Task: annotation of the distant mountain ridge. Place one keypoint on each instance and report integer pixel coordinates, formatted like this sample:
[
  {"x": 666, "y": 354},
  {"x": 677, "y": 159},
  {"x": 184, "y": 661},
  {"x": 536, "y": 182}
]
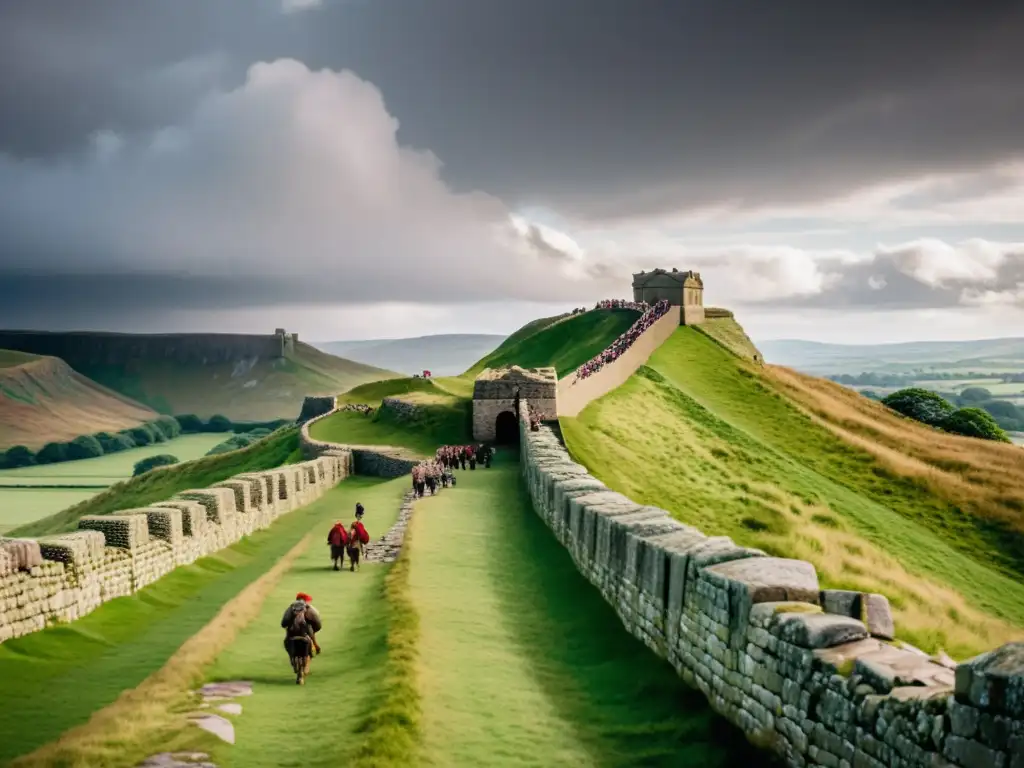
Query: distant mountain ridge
[
  {"x": 442, "y": 354},
  {"x": 827, "y": 358}
]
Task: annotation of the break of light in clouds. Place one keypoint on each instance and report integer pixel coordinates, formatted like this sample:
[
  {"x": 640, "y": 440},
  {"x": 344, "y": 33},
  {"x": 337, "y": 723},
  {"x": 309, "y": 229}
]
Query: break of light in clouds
[{"x": 366, "y": 169}]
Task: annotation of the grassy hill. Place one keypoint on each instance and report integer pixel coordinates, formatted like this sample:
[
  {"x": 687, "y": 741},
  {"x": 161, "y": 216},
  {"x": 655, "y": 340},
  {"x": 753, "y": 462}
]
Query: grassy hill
[
  {"x": 43, "y": 400},
  {"x": 807, "y": 469},
  {"x": 563, "y": 343},
  {"x": 442, "y": 354},
  {"x": 162, "y": 483},
  {"x": 241, "y": 377}
]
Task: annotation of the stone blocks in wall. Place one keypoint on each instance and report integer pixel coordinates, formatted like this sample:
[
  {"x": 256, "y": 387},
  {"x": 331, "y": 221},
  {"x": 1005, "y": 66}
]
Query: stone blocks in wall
[
  {"x": 380, "y": 464},
  {"x": 62, "y": 578},
  {"x": 805, "y": 673}
]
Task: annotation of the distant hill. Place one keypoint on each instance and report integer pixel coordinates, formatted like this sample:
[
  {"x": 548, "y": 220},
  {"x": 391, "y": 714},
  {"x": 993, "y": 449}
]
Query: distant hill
[
  {"x": 242, "y": 377},
  {"x": 43, "y": 400},
  {"x": 442, "y": 354},
  {"x": 820, "y": 358}
]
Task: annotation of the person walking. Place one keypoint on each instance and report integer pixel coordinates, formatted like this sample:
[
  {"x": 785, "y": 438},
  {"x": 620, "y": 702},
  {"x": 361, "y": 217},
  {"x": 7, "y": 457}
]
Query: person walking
[{"x": 338, "y": 540}]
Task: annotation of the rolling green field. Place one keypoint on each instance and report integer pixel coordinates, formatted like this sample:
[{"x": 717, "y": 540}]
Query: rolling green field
[
  {"x": 161, "y": 484},
  {"x": 701, "y": 435},
  {"x": 65, "y": 673},
  {"x": 62, "y": 485},
  {"x": 520, "y": 657}
]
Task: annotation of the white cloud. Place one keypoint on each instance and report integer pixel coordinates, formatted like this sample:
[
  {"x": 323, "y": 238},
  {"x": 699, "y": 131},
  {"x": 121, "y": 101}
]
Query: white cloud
[
  {"x": 296, "y": 6},
  {"x": 294, "y": 173},
  {"x": 938, "y": 264}
]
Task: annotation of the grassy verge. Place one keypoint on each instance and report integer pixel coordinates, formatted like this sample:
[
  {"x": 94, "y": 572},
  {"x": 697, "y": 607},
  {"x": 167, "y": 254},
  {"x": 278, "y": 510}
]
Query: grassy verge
[
  {"x": 521, "y": 662},
  {"x": 66, "y": 673},
  {"x": 726, "y": 480},
  {"x": 391, "y": 733},
  {"x": 123, "y": 733},
  {"x": 161, "y": 484},
  {"x": 347, "y": 678}
]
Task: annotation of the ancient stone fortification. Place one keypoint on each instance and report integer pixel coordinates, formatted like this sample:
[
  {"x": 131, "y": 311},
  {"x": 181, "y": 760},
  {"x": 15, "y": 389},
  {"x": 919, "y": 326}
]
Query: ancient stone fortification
[
  {"x": 498, "y": 390},
  {"x": 574, "y": 396},
  {"x": 748, "y": 630},
  {"x": 316, "y": 406},
  {"x": 62, "y": 578},
  {"x": 372, "y": 460},
  {"x": 680, "y": 289},
  {"x": 400, "y": 408}
]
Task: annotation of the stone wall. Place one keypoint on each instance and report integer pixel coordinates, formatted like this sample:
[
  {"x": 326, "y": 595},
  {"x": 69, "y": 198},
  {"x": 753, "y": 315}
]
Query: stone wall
[
  {"x": 806, "y": 673},
  {"x": 316, "y": 406},
  {"x": 372, "y": 460},
  {"x": 400, "y": 408},
  {"x": 574, "y": 396},
  {"x": 62, "y": 578}
]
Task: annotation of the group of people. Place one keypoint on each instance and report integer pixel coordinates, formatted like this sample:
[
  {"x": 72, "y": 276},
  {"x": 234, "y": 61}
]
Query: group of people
[
  {"x": 431, "y": 474},
  {"x": 351, "y": 540},
  {"x": 625, "y": 341},
  {"x": 458, "y": 456},
  {"x": 639, "y": 306}
]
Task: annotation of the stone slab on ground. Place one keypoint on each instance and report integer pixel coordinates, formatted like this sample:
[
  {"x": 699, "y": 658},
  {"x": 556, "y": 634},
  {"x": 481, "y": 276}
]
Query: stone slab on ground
[{"x": 219, "y": 726}]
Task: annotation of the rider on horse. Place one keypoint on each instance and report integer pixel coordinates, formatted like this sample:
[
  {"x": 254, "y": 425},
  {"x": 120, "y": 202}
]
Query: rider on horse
[{"x": 301, "y": 622}]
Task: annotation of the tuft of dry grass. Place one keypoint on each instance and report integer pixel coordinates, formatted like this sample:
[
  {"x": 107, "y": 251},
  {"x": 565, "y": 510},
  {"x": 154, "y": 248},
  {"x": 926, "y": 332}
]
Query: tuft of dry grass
[
  {"x": 122, "y": 734},
  {"x": 391, "y": 733},
  {"x": 982, "y": 477}
]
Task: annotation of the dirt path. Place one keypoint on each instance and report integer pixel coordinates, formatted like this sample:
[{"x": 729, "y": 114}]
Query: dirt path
[
  {"x": 522, "y": 663},
  {"x": 282, "y": 724}
]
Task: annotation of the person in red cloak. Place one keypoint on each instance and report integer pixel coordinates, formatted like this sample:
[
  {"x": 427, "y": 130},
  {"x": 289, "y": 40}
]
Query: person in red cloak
[
  {"x": 357, "y": 538},
  {"x": 338, "y": 540}
]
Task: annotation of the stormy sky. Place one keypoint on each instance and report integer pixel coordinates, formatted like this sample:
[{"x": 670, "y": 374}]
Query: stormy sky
[{"x": 849, "y": 171}]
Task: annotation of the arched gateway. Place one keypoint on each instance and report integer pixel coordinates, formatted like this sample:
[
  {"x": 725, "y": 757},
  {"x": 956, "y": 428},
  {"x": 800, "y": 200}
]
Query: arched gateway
[{"x": 496, "y": 397}]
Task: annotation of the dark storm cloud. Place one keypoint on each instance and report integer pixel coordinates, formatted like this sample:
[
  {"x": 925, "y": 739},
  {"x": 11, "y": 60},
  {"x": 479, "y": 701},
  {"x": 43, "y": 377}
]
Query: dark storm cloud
[{"x": 601, "y": 106}]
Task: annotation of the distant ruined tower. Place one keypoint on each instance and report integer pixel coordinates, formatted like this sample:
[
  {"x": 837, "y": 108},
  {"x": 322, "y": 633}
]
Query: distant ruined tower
[
  {"x": 287, "y": 341},
  {"x": 680, "y": 289}
]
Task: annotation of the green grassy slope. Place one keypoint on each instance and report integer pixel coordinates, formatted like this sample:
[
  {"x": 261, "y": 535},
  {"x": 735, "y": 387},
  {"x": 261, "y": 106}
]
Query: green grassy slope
[
  {"x": 335, "y": 700},
  {"x": 62, "y": 675},
  {"x": 700, "y": 434},
  {"x": 730, "y": 334},
  {"x": 10, "y": 358},
  {"x": 442, "y": 418},
  {"x": 162, "y": 483},
  {"x": 529, "y": 665},
  {"x": 565, "y": 344}
]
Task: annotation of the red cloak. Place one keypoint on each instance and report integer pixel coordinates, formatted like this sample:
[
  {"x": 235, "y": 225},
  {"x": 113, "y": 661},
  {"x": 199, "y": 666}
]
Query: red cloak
[
  {"x": 361, "y": 530},
  {"x": 338, "y": 537}
]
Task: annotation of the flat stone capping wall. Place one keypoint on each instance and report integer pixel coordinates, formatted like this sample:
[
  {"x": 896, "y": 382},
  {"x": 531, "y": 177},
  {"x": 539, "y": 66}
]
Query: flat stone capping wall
[
  {"x": 401, "y": 408},
  {"x": 806, "y": 673},
  {"x": 64, "y": 577},
  {"x": 574, "y": 396}
]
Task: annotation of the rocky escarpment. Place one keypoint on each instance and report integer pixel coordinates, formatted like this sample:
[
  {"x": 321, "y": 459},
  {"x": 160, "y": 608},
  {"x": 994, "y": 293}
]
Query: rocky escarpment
[{"x": 808, "y": 674}]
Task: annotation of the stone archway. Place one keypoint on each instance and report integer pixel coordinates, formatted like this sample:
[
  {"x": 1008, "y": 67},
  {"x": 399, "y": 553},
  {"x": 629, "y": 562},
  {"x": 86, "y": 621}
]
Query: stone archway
[{"x": 506, "y": 428}]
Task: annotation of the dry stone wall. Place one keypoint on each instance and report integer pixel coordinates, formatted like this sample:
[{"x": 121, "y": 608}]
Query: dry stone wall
[
  {"x": 806, "y": 673},
  {"x": 62, "y": 578},
  {"x": 375, "y": 461}
]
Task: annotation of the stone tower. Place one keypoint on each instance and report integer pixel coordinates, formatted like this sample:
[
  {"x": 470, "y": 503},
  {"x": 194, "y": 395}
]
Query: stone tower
[
  {"x": 681, "y": 289},
  {"x": 496, "y": 396}
]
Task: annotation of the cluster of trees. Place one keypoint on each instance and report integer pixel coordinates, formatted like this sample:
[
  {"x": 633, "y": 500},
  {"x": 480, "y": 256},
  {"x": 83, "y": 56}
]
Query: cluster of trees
[
  {"x": 160, "y": 430},
  {"x": 152, "y": 462},
  {"x": 881, "y": 379},
  {"x": 935, "y": 410}
]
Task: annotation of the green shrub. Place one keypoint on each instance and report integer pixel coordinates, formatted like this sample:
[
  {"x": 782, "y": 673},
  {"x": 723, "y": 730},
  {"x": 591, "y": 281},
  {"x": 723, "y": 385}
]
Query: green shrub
[
  {"x": 168, "y": 426},
  {"x": 84, "y": 447},
  {"x": 233, "y": 443},
  {"x": 114, "y": 443},
  {"x": 1007, "y": 414},
  {"x": 18, "y": 456},
  {"x": 920, "y": 405},
  {"x": 190, "y": 423},
  {"x": 974, "y": 422},
  {"x": 52, "y": 453},
  {"x": 152, "y": 462},
  {"x": 251, "y": 426},
  {"x": 975, "y": 395},
  {"x": 141, "y": 435},
  {"x": 218, "y": 423}
]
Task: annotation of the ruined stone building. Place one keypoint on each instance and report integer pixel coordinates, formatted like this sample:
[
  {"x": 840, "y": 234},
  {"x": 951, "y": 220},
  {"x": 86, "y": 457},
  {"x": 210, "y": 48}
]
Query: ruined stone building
[
  {"x": 681, "y": 289},
  {"x": 496, "y": 397}
]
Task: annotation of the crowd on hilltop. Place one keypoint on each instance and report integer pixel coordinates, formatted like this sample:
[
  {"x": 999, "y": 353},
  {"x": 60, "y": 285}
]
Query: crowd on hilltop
[
  {"x": 639, "y": 306},
  {"x": 614, "y": 350}
]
